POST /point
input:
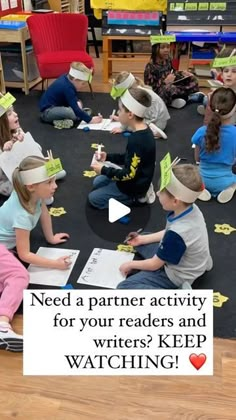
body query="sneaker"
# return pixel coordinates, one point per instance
(88, 111)
(178, 103)
(60, 124)
(157, 132)
(226, 195)
(60, 175)
(49, 201)
(201, 109)
(150, 196)
(205, 195)
(9, 340)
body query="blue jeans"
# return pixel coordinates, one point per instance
(148, 279)
(58, 113)
(104, 189)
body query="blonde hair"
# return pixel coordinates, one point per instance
(189, 176)
(81, 67)
(24, 195)
(122, 76)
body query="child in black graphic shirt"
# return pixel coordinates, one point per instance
(134, 180)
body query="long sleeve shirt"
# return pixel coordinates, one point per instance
(138, 163)
(63, 93)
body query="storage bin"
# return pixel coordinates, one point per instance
(13, 68)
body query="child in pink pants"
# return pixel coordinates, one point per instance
(14, 278)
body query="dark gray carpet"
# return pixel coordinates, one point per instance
(85, 224)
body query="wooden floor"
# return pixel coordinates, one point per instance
(119, 398)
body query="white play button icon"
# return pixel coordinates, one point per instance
(116, 210)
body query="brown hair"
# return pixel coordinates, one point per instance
(141, 96)
(24, 195)
(5, 132)
(189, 176)
(222, 102)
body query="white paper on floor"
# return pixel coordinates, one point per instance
(50, 276)
(102, 268)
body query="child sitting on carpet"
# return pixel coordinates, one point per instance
(21, 212)
(179, 253)
(174, 87)
(14, 278)
(215, 144)
(156, 115)
(59, 105)
(133, 181)
(10, 132)
(229, 80)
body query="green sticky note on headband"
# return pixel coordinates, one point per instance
(162, 39)
(90, 78)
(6, 102)
(165, 165)
(53, 166)
(224, 62)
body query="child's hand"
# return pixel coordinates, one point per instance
(59, 238)
(97, 167)
(114, 117)
(126, 268)
(116, 130)
(96, 120)
(100, 157)
(135, 239)
(63, 263)
(169, 79)
(8, 145)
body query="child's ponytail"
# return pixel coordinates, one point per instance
(223, 106)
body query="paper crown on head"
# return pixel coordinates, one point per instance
(42, 173)
(172, 184)
(81, 75)
(132, 105)
(6, 101)
(118, 90)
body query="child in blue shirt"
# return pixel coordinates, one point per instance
(23, 209)
(59, 103)
(215, 147)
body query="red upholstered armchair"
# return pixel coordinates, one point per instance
(59, 39)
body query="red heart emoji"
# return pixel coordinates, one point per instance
(197, 360)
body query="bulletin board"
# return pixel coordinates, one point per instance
(10, 6)
(98, 5)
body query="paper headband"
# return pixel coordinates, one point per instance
(132, 105)
(81, 75)
(172, 184)
(162, 39)
(42, 173)
(118, 90)
(225, 61)
(226, 116)
(6, 102)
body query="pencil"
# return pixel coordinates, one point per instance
(133, 235)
